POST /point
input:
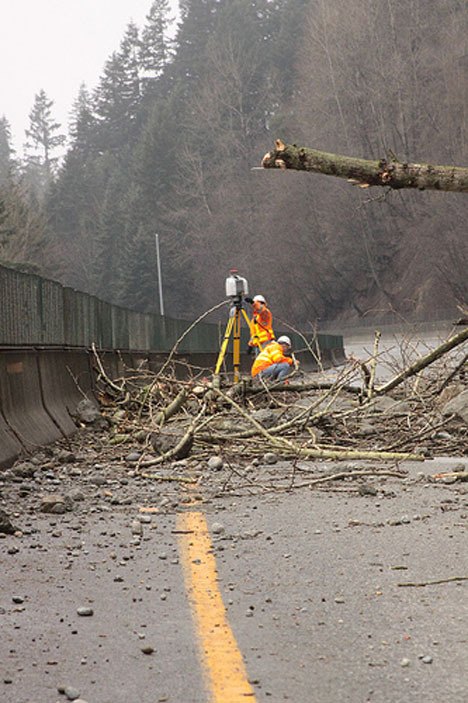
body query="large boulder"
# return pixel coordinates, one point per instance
(458, 406)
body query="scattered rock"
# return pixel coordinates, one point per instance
(133, 457)
(458, 406)
(55, 503)
(6, 526)
(85, 611)
(137, 528)
(165, 441)
(215, 463)
(365, 489)
(217, 528)
(87, 411)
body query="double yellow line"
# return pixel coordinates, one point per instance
(225, 674)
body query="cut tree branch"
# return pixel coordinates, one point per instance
(390, 173)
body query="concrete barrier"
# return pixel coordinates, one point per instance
(65, 379)
(10, 446)
(40, 387)
(22, 402)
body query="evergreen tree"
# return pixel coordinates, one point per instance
(137, 275)
(83, 125)
(6, 152)
(117, 97)
(22, 229)
(43, 140)
(199, 21)
(156, 46)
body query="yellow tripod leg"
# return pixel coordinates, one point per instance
(246, 318)
(224, 345)
(236, 346)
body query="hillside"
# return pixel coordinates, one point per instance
(167, 141)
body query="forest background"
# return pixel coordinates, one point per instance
(166, 144)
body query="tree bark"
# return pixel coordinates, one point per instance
(390, 172)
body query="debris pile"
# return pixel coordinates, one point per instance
(163, 441)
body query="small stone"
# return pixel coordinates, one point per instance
(85, 611)
(137, 528)
(5, 525)
(17, 599)
(427, 659)
(270, 458)
(405, 662)
(367, 490)
(217, 528)
(133, 457)
(55, 503)
(147, 649)
(71, 693)
(76, 495)
(215, 463)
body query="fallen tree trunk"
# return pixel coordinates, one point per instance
(364, 173)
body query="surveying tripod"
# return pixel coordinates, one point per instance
(233, 327)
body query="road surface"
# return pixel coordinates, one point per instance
(305, 595)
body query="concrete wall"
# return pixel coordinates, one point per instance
(39, 392)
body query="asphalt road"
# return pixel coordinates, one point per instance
(315, 586)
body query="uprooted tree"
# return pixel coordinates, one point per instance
(388, 172)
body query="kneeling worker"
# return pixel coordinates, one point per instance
(275, 362)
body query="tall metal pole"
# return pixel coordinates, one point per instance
(158, 261)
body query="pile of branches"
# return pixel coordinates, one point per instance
(168, 418)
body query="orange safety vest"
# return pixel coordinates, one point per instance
(272, 354)
(261, 327)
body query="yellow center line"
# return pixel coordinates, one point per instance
(224, 669)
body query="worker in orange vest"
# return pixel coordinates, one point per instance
(275, 361)
(261, 324)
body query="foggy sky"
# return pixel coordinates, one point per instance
(56, 45)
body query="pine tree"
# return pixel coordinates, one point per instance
(117, 97)
(22, 229)
(43, 141)
(156, 46)
(199, 21)
(83, 124)
(6, 152)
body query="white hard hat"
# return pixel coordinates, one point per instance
(259, 299)
(284, 340)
